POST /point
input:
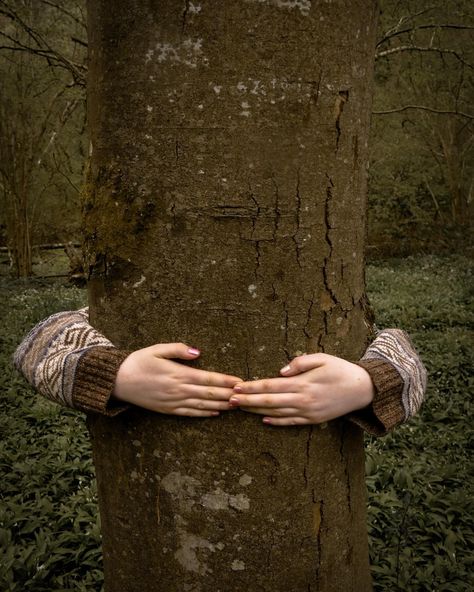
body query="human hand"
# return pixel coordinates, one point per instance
(150, 379)
(313, 389)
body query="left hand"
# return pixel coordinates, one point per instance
(314, 388)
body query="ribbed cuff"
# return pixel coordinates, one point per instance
(95, 379)
(386, 410)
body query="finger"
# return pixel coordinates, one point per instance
(303, 364)
(189, 412)
(179, 351)
(267, 400)
(210, 379)
(278, 412)
(201, 405)
(267, 385)
(207, 393)
(285, 421)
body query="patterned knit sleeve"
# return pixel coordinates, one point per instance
(399, 378)
(70, 363)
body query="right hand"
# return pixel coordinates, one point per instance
(150, 378)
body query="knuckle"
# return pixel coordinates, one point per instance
(296, 363)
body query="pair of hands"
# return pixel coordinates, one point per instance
(312, 389)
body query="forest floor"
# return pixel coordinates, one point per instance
(420, 478)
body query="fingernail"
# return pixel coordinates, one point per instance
(234, 401)
(214, 413)
(238, 389)
(285, 369)
(193, 351)
(266, 420)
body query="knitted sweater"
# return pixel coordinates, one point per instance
(71, 363)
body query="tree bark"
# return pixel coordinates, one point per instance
(225, 208)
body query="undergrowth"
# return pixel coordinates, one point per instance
(419, 479)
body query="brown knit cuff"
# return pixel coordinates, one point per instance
(95, 379)
(386, 410)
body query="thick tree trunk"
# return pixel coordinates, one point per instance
(226, 208)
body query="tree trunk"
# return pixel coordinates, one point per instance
(226, 208)
(21, 235)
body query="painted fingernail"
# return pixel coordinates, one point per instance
(266, 420)
(234, 401)
(238, 389)
(193, 351)
(285, 369)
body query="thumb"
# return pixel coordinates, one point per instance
(303, 364)
(175, 350)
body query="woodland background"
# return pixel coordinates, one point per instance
(421, 190)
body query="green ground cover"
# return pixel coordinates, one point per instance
(420, 478)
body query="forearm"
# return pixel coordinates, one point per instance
(399, 378)
(70, 363)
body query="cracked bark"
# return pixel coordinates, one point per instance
(228, 171)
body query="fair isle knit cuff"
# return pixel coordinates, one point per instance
(386, 410)
(94, 381)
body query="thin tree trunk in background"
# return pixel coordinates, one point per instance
(226, 208)
(21, 234)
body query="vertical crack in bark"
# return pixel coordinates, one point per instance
(308, 455)
(344, 461)
(184, 16)
(247, 366)
(341, 100)
(286, 330)
(269, 554)
(257, 258)
(323, 333)
(254, 222)
(319, 543)
(277, 208)
(327, 236)
(306, 332)
(313, 95)
(355, 151)
(298, 219)
(176, 150)
(274, 292)
(342, 456)
(257, 213)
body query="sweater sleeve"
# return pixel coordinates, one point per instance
(399, 379)
(70, 363)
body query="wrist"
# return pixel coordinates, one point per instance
(365, 387)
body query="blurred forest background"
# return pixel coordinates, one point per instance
(422, 154)
(420, 478)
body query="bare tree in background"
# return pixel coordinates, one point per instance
(425, 62)
(38, 103)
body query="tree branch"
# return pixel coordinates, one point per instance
(41, 48)
(391, 34)
(77, 20)
(402, 48)
(424, 108)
